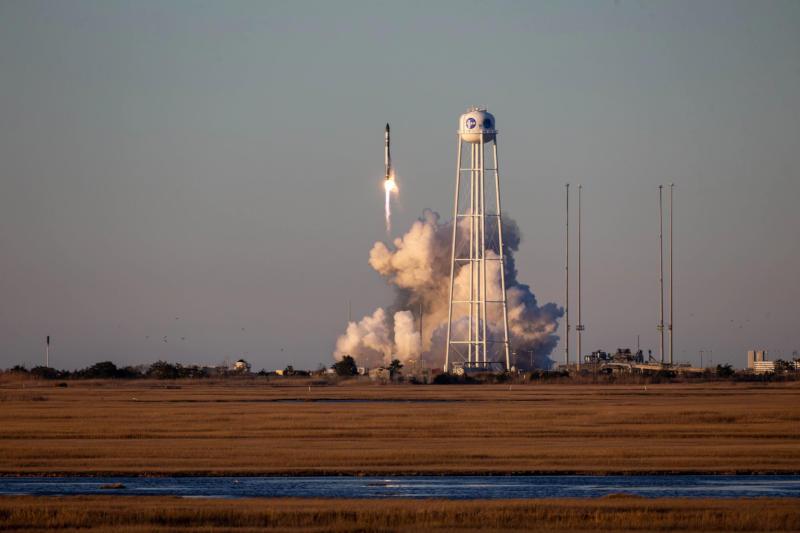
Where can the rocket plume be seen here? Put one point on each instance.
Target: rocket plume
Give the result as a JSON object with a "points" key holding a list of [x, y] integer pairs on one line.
{"points": [[417, 265], [389, 186]]}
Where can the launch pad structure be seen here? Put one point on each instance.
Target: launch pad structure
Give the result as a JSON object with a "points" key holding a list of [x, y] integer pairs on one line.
{"points": [[472, 342]]}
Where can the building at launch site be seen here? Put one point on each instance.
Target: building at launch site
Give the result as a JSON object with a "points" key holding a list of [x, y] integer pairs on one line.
{"points": [[758, 362]]}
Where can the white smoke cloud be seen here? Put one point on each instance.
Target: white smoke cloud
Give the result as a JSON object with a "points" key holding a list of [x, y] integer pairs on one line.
{"points": [[367, 340], [418, 266], [406, 336]]}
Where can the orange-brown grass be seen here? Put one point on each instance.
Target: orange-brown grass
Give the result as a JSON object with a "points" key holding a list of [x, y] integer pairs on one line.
{"points": [[174, 514], [253, 427]]}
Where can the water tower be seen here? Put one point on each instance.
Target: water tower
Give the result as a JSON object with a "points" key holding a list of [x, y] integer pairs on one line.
{"points": [[477, 324]]}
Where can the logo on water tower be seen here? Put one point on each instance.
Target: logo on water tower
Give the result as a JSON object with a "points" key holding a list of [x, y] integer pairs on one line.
{"points": [[471, 123]]}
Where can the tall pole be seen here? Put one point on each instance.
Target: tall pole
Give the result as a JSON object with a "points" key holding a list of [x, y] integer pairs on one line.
{"points": [[566, 299], [671, 188], [580, 327], [421, 361], [661, 273], [47, 352]]}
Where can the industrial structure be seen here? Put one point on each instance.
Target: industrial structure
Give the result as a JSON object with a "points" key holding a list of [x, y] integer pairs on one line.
{"points": [[757, 362], [623, 358], [626, 361], [477, 323]]}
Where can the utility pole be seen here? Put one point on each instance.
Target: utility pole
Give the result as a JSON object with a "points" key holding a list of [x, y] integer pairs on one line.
{"points": [[421, 361], [47, 352], [580, 326], [566, 301], [671, 284], [661, 273]]}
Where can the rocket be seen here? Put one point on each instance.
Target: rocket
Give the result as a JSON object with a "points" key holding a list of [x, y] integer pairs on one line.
{"points": [[387, 157]]}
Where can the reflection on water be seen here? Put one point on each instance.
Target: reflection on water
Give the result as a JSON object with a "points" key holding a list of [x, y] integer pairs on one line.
{"points": [[449, 487]]}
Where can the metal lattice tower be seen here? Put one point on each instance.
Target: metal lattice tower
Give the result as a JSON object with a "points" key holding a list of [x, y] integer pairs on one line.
{"points": [[477, 324]]}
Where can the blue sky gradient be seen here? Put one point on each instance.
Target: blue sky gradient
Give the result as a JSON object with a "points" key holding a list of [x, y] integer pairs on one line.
{"points": [[212, 170]]}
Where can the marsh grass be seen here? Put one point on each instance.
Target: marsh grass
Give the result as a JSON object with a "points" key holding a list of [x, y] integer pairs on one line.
{"points": [[142, 427], [617, 514]]}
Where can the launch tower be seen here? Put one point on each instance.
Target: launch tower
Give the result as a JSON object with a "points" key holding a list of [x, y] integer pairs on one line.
{"points": [[477, 324]]}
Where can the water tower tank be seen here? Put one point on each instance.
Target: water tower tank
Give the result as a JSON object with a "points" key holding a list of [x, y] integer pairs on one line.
{"points": [[473, 123]]}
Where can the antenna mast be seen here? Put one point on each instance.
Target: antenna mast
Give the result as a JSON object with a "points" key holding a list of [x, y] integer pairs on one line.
{"points": [[421, 361], [671, 188], [661, 273], [580, 326], [566, 301]]}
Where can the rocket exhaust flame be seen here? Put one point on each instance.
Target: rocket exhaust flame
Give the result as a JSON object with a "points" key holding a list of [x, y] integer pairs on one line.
{"points": [[389, 187]]}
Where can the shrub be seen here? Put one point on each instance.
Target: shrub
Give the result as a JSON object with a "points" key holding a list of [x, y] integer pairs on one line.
{"points": [[450, 379], [45, 372], [163, 370], [102, 370], [345, 367], [394, 368], [725, 371]]}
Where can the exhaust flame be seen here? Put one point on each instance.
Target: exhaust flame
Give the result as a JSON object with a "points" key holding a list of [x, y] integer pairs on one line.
{"points": [[390, 187]]}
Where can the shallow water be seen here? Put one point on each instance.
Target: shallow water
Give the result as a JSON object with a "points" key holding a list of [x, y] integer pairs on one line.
{"points": [[448, 487]]}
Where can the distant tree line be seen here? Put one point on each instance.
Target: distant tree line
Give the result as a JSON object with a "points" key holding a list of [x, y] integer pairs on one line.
{"points": [[108, 370], [166, 370], [346, 367]]}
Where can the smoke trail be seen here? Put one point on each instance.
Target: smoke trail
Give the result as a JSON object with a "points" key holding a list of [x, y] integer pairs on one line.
{"points": [[417, 265]]}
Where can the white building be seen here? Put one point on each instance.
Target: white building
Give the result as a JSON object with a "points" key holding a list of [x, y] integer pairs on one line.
{"points": [[756, 356], [763, 367]]}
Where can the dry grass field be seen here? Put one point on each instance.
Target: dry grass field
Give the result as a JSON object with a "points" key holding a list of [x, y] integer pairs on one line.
{"points": [[255, 427], [121, 514]]}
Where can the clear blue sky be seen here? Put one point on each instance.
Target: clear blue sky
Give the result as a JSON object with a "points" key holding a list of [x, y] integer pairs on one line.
{"points": [[211, 170]]}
